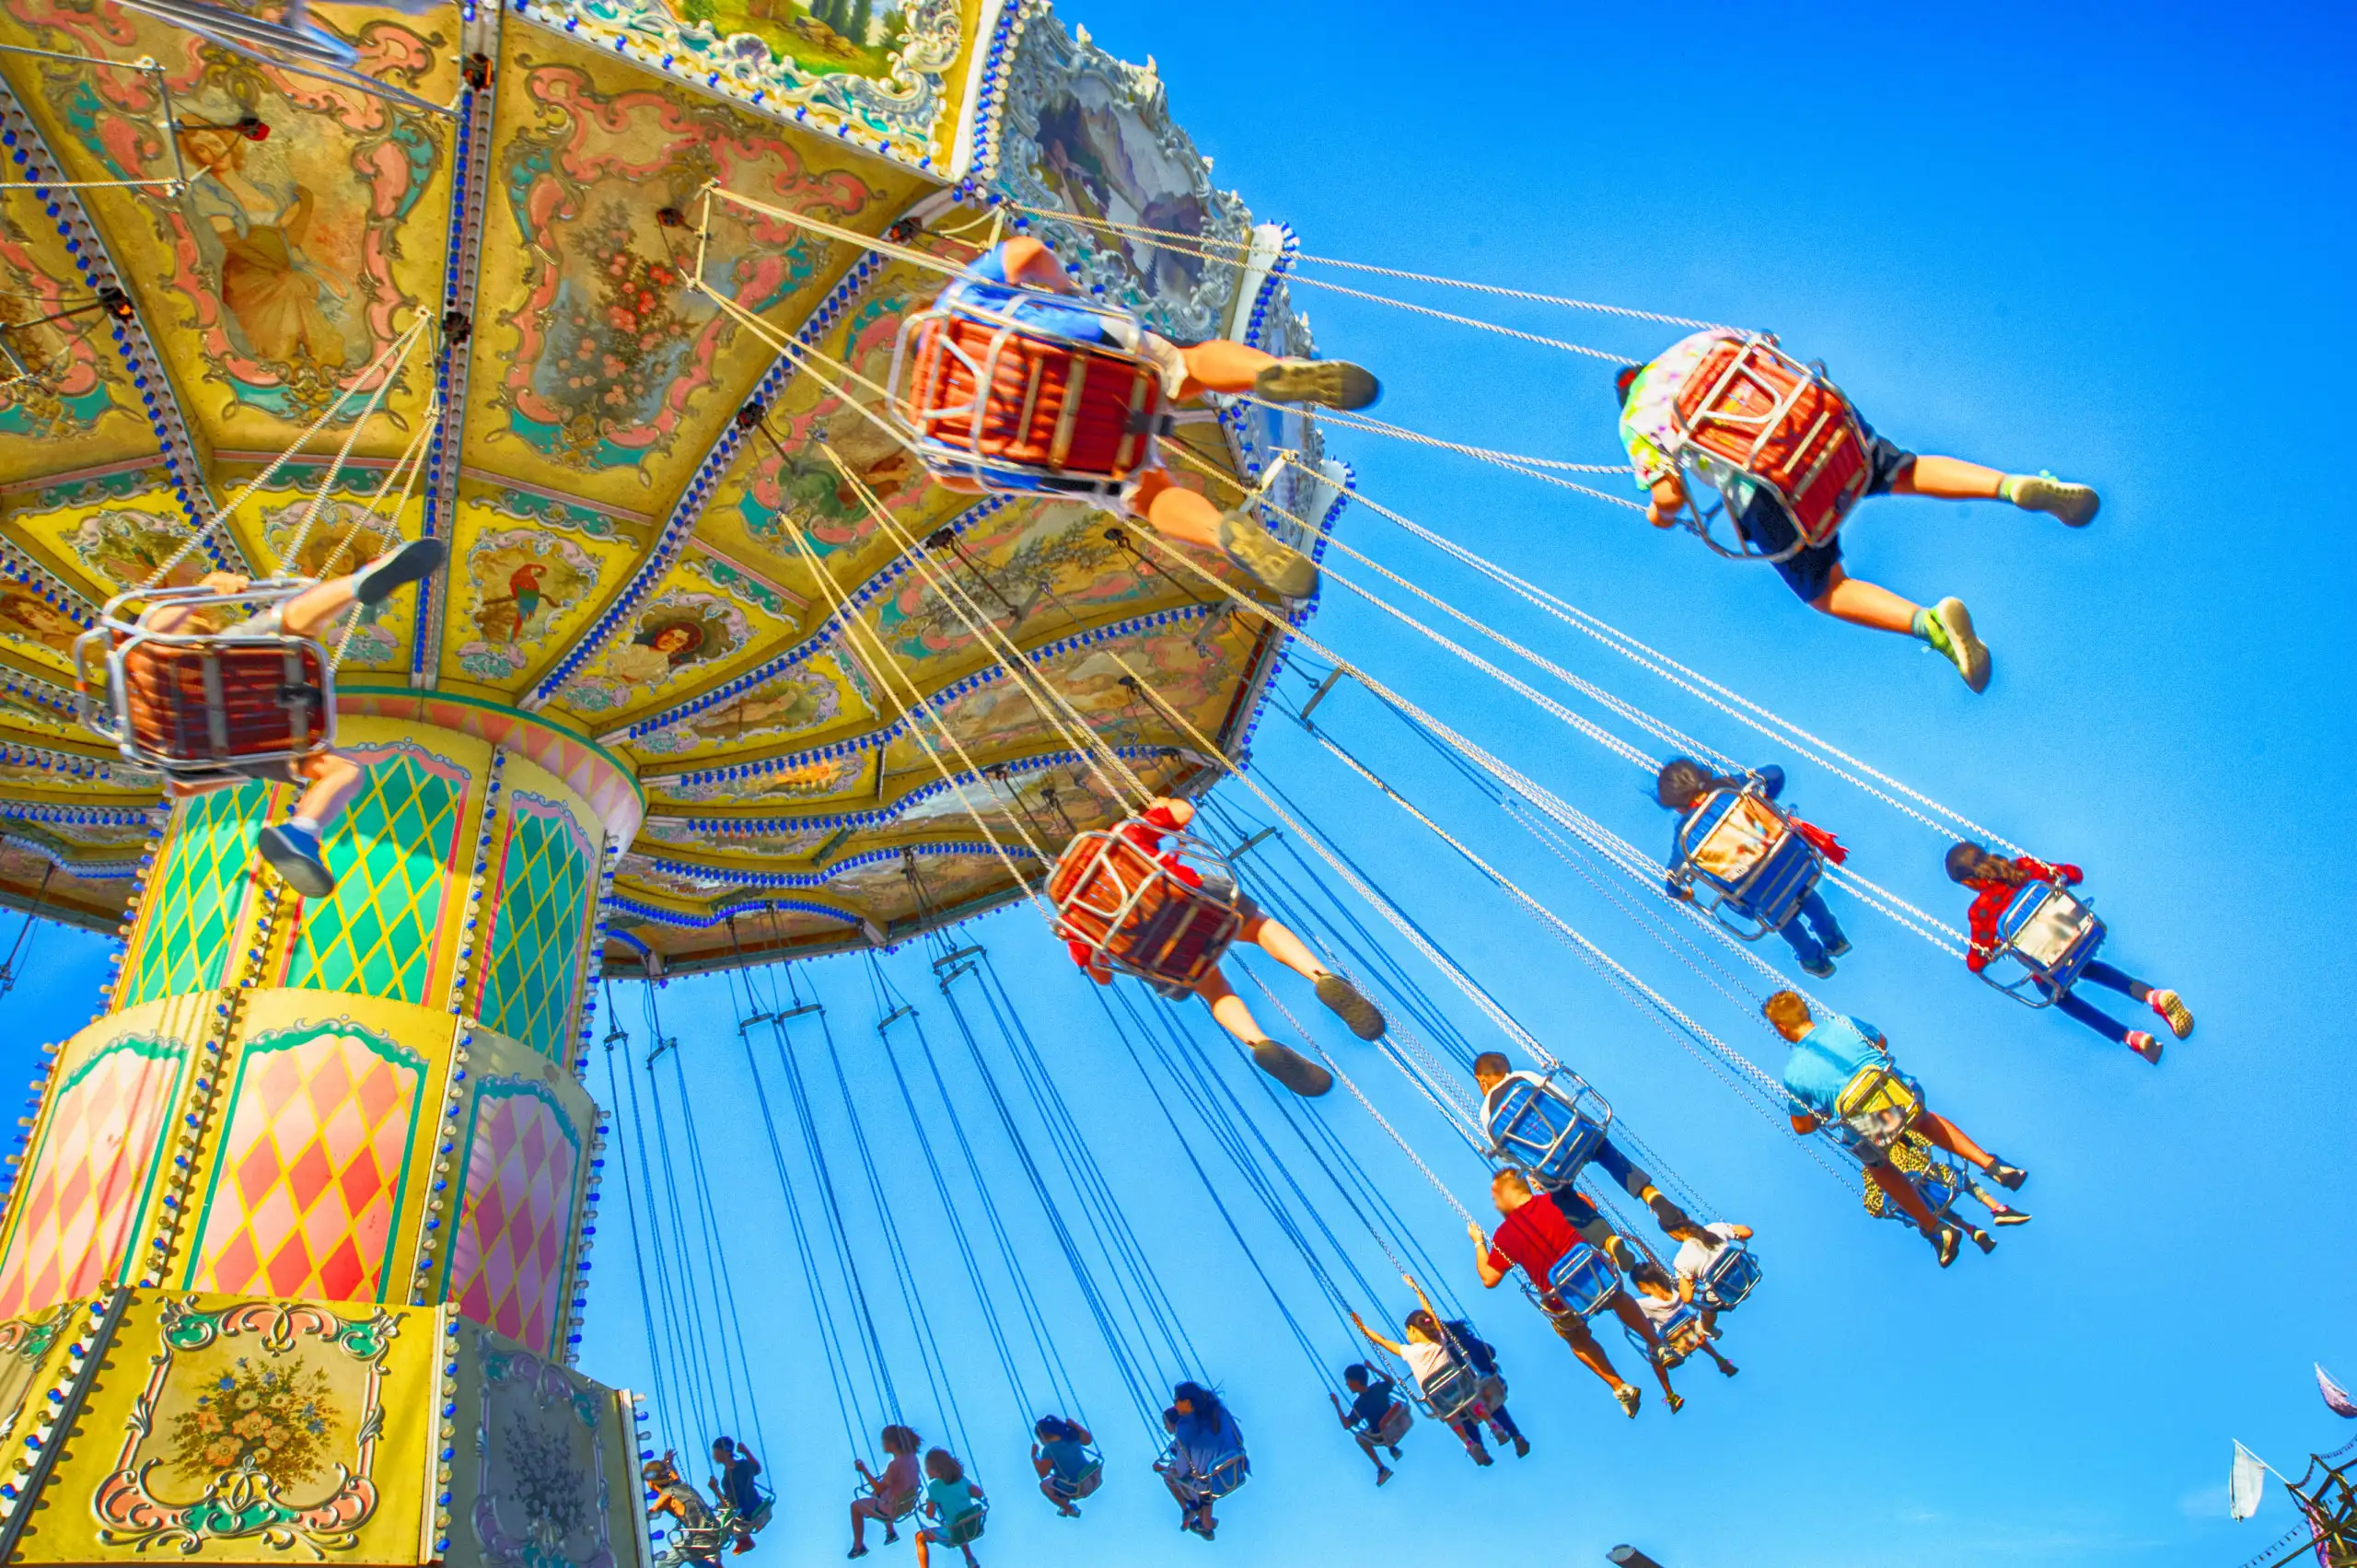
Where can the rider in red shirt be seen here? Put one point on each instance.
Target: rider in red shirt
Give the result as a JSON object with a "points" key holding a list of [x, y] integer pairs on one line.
{"points": [[1995, 880], [1537, 1229], [1289, 1067]]}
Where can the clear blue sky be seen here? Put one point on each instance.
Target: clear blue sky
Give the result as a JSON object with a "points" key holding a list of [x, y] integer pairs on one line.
{"points": [[2099, 241]]}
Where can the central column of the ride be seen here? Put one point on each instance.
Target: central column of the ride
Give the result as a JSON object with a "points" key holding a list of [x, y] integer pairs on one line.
{"points": [[293, 1260]]}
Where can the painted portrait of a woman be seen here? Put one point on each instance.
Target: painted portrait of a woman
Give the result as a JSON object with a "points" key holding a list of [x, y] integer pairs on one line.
{"points": [[269, 286]]}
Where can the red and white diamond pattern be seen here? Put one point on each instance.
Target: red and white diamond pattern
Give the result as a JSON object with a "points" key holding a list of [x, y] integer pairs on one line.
{"points": [[82, 1195], [507, 1267], [303, 1196]]}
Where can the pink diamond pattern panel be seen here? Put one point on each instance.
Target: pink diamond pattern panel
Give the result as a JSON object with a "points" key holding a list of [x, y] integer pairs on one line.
{"points": [[90, 1171], [306, 1191], [508, 1265]]}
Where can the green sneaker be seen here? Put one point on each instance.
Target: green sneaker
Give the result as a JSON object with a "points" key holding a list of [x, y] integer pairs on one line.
{"points": [[1947, 626], [2075, 504], [1336, 383], [1275, 565]]}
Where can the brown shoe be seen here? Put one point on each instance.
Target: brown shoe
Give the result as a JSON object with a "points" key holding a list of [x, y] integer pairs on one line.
{"points": [[1335, 383]]}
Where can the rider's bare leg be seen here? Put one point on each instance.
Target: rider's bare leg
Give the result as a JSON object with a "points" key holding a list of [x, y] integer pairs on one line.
{"points": [[1229, 1008], [1948, 479], [1864, 604], [1221, 365], [1282, 945], [334, 779], [1176, 512]]}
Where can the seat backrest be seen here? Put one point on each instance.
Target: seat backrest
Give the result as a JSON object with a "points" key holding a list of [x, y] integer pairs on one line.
{"points": [[1537, 1126], [1583, 1279], [2044, 922], [204, 702], [1117, 898], [1729, 835], [1730, 1276], [1755, 407], [1050, 403]]}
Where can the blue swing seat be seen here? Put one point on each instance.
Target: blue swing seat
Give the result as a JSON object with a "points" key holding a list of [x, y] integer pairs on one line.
{"points": [[2047, 937], [1453, 1394], [1680, 1333], [1730, 1277], [1584, 1280], [1545, 1131], [1745, 862]]}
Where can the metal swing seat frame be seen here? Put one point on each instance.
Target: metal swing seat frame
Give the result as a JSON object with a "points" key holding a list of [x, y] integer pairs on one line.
{"points": [[1772, 874], [971, 385], [2049, 935], [966, 1527], [201, 706], [1879, 1105], [1806, 436], [1681, 1335], [1583, 1279], [1230, 1472], [1728, 1279], [1085, 1484], [1457, 1394], [1550, 1152], [707, 1543], [1133, 913]]}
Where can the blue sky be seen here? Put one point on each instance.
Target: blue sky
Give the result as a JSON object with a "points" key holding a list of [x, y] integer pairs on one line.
{"points": [[2095, 240]]}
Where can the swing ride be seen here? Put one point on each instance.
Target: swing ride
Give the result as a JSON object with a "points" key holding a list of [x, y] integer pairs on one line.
{"points": [[800, 587]]}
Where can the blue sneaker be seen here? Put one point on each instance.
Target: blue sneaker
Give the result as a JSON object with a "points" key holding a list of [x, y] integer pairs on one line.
{"points": [[1837, 948], [1821, 969], [294, 853]]}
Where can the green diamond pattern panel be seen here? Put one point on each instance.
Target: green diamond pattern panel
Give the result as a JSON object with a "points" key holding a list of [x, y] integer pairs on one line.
{"points": [[536, 945], [194, 903], [391, 853]]}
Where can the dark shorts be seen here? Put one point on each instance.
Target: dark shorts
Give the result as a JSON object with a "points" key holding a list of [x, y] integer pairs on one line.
{"points": [[1810, 572]]}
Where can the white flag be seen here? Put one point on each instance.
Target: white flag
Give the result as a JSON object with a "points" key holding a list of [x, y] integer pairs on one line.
{"points": [[2246, 1483], [2336, 1397]]}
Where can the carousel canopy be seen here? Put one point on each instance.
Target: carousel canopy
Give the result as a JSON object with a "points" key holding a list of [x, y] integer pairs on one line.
{"points": [[489, 258]]}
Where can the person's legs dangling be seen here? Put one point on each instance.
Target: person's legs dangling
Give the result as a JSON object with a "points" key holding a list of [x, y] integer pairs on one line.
{"points": [[1340, 995], [1572, 1330], [1805, 947], [1938, 1130], [1178, 513], [1282, 1062], [1819, 916]]}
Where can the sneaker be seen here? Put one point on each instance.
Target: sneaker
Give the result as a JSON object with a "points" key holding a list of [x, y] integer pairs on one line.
{"points": [[744, 1545], [413, 561], [2169, 1005], [1945, 1242], [1345, 1001], [1521, 1446], [1395, 1450], [2146, 1046], [1822, 969], [1292, 1069], [2075, 504], [857, 1553], [1729, 1369], [294, 853], [1259, 555], [1983, 1240], [1336, 383], [2009, 1177], [1630, 1396], [1837, 948], [1483, 1457], [2009, 1216], [1677, 1403], [1381, 1474], [1947, 626]]}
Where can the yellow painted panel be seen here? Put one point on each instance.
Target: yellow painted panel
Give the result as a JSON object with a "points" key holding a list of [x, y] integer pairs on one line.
{"points": [[529, 571], [600, 373], [249, 1429]]}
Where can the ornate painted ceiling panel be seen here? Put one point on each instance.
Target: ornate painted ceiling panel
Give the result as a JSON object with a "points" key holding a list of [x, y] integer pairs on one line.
{"points": [[652, 426]]}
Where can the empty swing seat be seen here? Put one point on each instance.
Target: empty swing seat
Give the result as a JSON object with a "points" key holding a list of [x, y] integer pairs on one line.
{"points": [[992, 398], [200, 704], [1752, 408], [1584, 1280], [1745, 855], [1127, 906], [1548, 1134], [2046, 937], [1729, 1278]]}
